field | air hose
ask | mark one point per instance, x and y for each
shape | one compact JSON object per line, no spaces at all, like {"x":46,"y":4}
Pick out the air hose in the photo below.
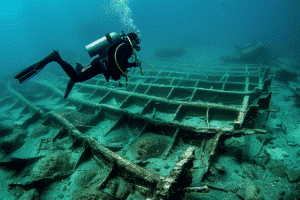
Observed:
{"x":136,"y":58}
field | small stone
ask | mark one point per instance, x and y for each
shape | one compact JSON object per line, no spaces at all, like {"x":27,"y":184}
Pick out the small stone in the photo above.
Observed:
{"x":252,"y":190}
{"x":18,"y":123}
{"x":273,"y":116}
{"x":31,"y":194}
{"x":241,"y":193}
{"x":285,"y":154}
{"x":279,"y":124}
{"x":234,"y":189}
{"x":220,"y":168}
{"x":292,"y":143}
{"x":293,"y":175}
{"x":277,"y":153}
{"x":277,"y":129}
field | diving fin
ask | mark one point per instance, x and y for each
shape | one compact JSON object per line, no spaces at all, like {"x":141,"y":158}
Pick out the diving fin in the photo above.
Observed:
{"x":34,"y":69}
{"x":29,"y":72}
{"x":71,"y":83}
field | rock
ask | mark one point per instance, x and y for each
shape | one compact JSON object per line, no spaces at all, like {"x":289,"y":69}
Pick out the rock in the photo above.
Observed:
{"x":75,"y":117}
{"x":249,"y":171}
{"x":292,"y":143}
{"x":17,"y":192}
{"x":293,"y":175}
{"x":149,"y":146}
{"x":249,"y":53}
{"x":55,"y":164}
{"x":252,"y":146}
{"x":12,"y":142}
{"x":286,"y":75}
{"x":279,"y":125}
{"x":252,"y":190}
{"x":278,"y":168}
{"x":30,"y":195}
{"x":241,"y":193}
{"x":277,"y":153}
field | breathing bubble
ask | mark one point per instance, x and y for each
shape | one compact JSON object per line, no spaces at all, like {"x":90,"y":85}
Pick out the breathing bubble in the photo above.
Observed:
{"x":124,"y":12}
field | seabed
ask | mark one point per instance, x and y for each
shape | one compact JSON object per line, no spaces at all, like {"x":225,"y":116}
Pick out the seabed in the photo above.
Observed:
{"x":189,"y":132}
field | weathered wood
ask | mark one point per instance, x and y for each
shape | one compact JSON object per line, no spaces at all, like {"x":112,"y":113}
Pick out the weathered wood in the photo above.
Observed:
{"x":162,"y":100}
{"x":174,"y":124}
{"x":203,"y":189}
{"x":171,"y":145}
{"x":165,"y":187}
{"x":24,"y":100}
{"x":214,"y":146}
{"x":172,"y":186}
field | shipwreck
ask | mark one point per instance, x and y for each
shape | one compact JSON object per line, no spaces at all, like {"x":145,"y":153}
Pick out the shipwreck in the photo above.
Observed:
{"x":155,"y":139}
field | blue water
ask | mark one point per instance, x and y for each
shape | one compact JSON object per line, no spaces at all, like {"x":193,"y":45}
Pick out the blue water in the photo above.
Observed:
{"x":31,"y":29}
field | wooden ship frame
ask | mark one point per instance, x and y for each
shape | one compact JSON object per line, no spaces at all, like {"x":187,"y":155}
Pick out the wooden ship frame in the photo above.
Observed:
{"x":177,"y":114}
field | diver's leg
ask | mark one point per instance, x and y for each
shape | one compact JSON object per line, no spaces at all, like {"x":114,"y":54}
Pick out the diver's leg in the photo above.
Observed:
{"x":87,"y":73}
{"x":75,"y":75}
{"x":70,"y":71}
{"x":79,"y":75}
{"x":82,"y":74}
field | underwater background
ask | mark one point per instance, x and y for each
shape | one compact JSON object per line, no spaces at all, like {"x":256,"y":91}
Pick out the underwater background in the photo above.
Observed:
{"x":31,"y":29}
{"x":223,"y":96}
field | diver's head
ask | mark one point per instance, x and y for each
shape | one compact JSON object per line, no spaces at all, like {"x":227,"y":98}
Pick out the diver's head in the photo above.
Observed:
{"x":135,"y":40}
{"x":134,"y":36}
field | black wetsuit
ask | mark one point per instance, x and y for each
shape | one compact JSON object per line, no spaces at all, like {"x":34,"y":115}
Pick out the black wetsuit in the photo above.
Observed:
{"x":107,"y":66}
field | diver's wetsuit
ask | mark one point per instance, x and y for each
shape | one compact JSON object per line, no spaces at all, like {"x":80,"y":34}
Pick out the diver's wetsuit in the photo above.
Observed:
{"x":107,"y":66}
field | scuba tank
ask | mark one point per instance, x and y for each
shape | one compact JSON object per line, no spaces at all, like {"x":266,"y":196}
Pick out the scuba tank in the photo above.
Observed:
{"x":100,"y":46}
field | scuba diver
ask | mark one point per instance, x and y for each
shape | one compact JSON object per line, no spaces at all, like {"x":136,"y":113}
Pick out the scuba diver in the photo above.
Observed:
{"x":113,"y":52}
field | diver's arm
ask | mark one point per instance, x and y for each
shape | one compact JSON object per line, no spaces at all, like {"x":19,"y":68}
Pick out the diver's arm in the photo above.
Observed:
{"x":126,"y":53}
{"x":134,"y":64}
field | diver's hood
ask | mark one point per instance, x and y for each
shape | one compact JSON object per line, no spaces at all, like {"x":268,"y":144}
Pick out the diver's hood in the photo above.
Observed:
{"x":134,"y":36}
